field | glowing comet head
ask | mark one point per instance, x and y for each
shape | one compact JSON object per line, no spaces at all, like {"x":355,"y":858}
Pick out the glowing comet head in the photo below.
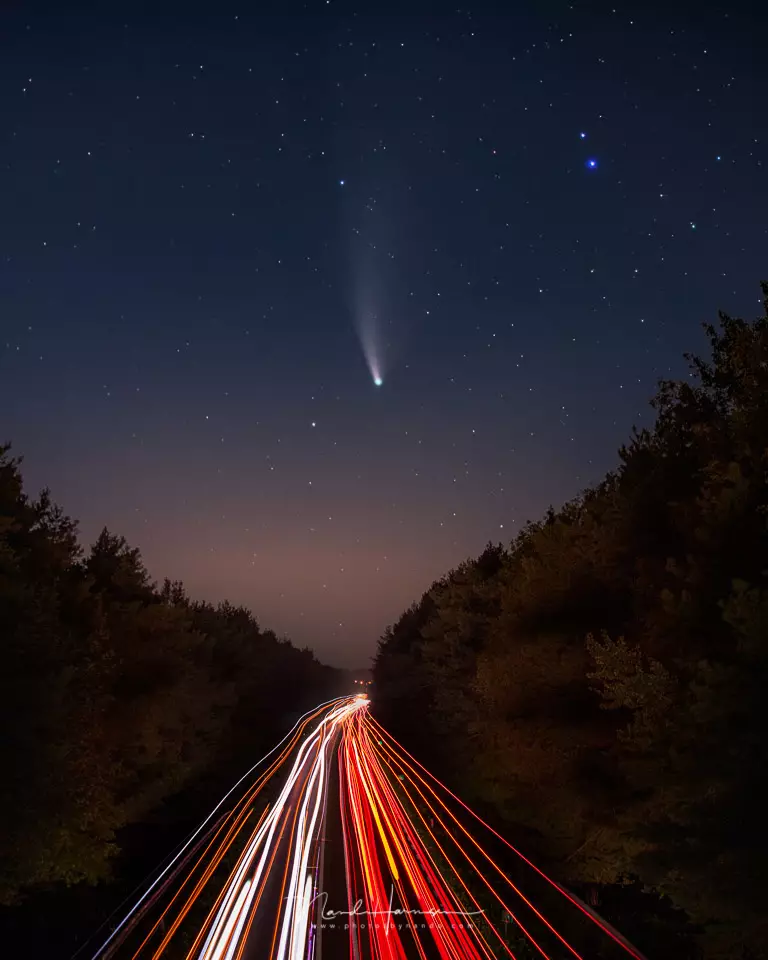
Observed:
{"x":367,"y":328}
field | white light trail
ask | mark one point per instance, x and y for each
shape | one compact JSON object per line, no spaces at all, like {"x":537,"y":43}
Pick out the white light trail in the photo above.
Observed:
{"x":232,"y":913}
{"x":196,"y":833}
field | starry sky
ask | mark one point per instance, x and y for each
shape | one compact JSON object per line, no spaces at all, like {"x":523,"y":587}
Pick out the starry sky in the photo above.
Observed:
{"x":222,"y":225}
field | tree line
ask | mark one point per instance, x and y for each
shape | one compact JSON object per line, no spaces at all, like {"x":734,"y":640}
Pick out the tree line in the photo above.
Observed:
{"x":599,"y":685}
{"x":116,"y":694}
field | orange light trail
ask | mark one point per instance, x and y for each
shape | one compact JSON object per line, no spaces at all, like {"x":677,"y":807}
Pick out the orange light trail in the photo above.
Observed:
{"x":411,"y":879}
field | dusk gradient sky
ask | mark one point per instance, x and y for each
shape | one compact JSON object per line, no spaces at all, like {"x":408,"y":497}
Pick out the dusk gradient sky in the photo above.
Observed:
{"x":219,"y":223}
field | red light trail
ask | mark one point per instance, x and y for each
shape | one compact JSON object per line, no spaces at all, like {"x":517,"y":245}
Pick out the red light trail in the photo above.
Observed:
{"x":410,"y":870}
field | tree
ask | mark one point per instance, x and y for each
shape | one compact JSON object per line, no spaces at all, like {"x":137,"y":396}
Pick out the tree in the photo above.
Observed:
{"x":641,"y":755}
{"x":114,"y":695}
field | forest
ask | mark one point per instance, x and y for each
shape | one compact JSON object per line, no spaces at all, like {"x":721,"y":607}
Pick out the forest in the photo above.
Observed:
{"x":121,"y":703}
{"x":595,"y":688}
{"x":598,"y":686}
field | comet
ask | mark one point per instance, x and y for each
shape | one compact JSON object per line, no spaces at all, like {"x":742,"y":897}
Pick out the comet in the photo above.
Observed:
{"x":367,"y":328}
{"x":374,"y":282}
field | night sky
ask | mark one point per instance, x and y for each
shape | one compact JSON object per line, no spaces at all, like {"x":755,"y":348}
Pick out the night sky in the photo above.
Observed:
{"x":220,"y":228}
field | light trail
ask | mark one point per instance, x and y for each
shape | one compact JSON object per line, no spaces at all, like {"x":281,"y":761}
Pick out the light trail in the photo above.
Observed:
{"x":409,"y":878}
{"x":191,"y":839}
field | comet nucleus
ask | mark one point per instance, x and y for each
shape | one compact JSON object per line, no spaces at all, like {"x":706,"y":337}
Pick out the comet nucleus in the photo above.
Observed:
{"x":370,"y":341}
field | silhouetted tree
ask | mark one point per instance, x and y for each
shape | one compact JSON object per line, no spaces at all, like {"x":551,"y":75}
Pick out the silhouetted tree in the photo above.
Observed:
{"x":641,"y":755}
{"x":114,"y":695}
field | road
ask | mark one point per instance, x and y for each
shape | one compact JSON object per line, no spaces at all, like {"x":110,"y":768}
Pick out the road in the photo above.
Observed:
{"x":339,"y":844}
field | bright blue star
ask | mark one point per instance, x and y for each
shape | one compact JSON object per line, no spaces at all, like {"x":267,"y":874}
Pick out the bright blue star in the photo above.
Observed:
{"x":582,"y":136}
{"x":591,"y":164}
{"x":341,"y":182}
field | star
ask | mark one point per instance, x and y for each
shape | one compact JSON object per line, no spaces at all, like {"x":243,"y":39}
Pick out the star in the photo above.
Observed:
{"x":437,"y":257}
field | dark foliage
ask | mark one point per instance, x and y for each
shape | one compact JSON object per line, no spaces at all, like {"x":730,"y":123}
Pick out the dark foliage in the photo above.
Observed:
{"x":601,"y":681}
{"x":115,"y":695}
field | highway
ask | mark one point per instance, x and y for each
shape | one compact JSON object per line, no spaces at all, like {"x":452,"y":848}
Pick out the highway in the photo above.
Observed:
{"x":339,"y":844}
